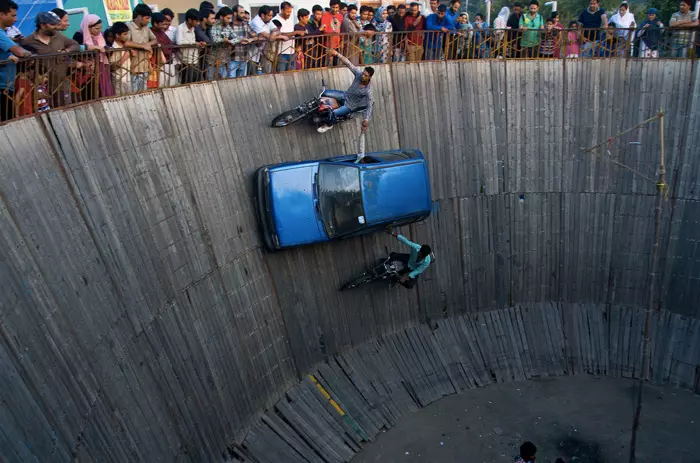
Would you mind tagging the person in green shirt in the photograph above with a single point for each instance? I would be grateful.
(531, 23)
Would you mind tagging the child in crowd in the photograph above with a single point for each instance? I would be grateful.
(299, 57)
(120, 60)
(548, 39)
(573, 49)
(610, 43)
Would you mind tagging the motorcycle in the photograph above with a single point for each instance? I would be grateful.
(386, 269)
(316, 110)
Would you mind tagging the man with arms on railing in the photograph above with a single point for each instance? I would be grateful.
(437, 26)
(189, 54)
(286, 48)
(683, 21)
(593, 17)
(262, 25)
(9, 50)
(358, 96)
(242, 37)
(43, 41)
(142, 38)
(531, 23)
(414, 23)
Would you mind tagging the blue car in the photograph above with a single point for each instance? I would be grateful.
(315, 201)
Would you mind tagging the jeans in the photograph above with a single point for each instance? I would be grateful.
(340, 112)
(229, 70)
(588, 50)
(139, 81)
(284, 62)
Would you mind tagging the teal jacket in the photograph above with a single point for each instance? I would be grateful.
(416, 267)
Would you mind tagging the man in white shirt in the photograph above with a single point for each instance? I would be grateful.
(286, 48)
(264, 53)
(185, 36)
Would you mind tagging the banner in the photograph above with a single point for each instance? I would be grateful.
(118, 10)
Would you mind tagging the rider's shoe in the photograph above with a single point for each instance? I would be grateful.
(324, 128)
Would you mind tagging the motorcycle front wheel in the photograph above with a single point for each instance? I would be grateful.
(287, 118)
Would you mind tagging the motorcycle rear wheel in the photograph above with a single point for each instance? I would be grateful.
(358, 281)
(287, 118)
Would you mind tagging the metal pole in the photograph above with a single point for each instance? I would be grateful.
(646, 356)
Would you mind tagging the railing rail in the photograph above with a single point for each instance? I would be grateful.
(45, 82)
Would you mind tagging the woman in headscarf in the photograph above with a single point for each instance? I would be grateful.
(91, 26)
(500, 24)
(624, 22)
(383, 41)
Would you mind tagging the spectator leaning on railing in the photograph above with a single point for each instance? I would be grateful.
(45, 40)
(531, 23)
(142, 38)
(681, 22)
(594, 18)
(9, 50)
(120, 60)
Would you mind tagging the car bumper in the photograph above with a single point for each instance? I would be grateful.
(265, 220)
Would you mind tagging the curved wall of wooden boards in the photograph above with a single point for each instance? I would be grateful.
(140, 320)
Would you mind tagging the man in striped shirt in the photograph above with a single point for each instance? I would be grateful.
(357, 97)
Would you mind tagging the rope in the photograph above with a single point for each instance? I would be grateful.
(618, 163)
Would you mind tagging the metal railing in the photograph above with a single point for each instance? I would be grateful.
(52, 81)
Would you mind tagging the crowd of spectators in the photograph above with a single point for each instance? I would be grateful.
(48, 69)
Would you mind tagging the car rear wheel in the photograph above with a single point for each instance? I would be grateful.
(287, 118)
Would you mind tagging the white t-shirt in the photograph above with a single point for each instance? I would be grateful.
(287, 47)
(622, 22)
(257, 25)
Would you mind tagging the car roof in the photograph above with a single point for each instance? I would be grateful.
(393, 190)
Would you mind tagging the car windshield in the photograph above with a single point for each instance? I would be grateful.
(340, 199)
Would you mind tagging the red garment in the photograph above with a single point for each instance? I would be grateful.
(167, 44)
(24, 105)
(332, 23)
(413, 23)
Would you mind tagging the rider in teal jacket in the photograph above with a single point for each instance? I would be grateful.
(416, 263)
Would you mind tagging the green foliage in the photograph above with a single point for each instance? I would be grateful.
(570, 9)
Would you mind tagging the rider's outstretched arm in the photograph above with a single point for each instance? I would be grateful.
(355, 70)
(406, 241)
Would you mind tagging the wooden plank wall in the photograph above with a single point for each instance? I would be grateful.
(377, 383)
(140, 318)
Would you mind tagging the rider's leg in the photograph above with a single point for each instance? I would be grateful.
(410, 283)
(336, 113)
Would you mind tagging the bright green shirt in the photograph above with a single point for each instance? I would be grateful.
(531, 37)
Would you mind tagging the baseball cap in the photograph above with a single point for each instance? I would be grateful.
(652, 11)
(47, 17)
